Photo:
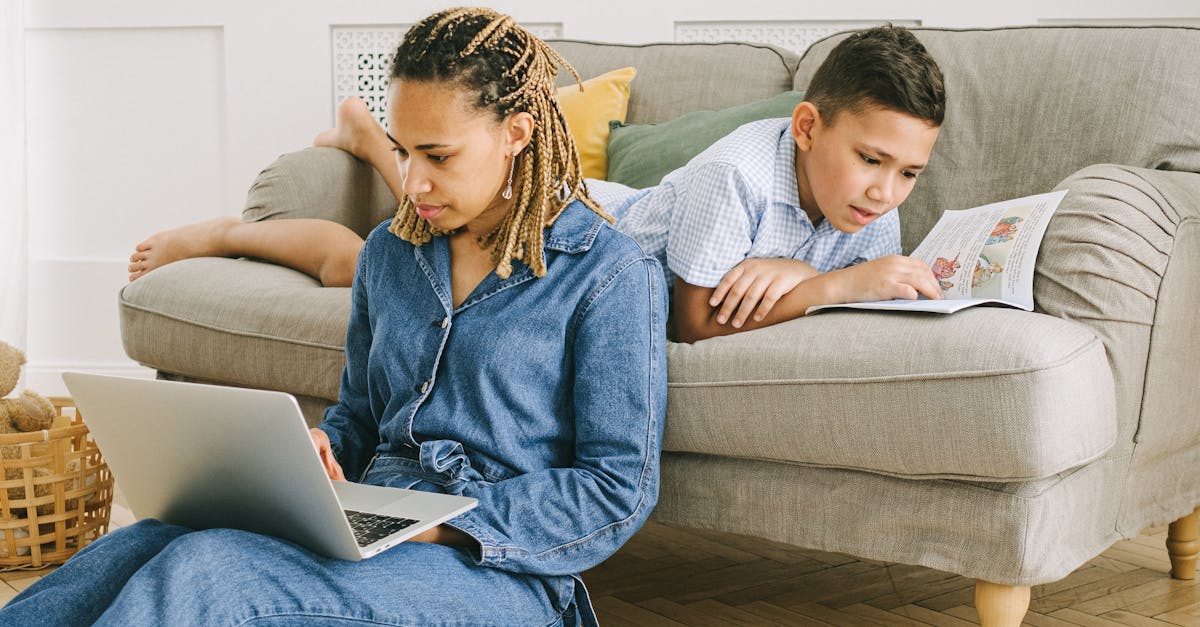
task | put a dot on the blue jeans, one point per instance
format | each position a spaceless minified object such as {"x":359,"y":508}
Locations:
{"x":152,"y":573}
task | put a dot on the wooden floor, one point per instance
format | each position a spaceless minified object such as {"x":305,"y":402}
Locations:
{"x":672,"y":576}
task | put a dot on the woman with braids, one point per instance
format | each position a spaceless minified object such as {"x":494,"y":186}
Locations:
{"x":505,"y":343}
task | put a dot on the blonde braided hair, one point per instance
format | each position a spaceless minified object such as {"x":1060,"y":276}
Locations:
{"x":513,"y":71}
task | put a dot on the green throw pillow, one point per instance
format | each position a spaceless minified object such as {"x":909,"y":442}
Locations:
{"x":639,"y":155}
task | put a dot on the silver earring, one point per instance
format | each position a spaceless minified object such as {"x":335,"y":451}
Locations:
{"x":507,"y":193}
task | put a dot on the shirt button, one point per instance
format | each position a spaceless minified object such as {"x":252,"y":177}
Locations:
{"x":445,"y":322}
{"x":424,"y":386}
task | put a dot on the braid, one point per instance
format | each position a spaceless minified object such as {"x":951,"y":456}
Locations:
{"x":512,"y":71}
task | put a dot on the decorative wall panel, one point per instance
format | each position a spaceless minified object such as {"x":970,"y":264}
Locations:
{"x":795,"y":35}
{"x":362,"y":56}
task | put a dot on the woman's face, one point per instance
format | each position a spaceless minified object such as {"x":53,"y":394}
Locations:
{"x":454,"y":158}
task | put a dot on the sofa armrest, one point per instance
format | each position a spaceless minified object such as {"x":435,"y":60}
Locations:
{"x":325,"y":183}
{"x":238,"y":322}
{"x":1122,"y":256}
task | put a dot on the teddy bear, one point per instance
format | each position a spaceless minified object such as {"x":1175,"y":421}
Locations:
{"x":30,"y":411}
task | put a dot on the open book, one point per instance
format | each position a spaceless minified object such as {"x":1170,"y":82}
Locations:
{"x":980,"y":255}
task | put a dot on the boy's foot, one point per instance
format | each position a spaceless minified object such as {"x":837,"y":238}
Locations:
{"x":202,"y":239}
{"x":356,"y":129}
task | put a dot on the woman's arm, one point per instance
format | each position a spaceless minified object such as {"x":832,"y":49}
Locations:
{"x":566,"y":520}
{"x":349,"y":425}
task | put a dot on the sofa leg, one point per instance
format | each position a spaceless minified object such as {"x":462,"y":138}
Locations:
{"x":999,"y":605}
{"x":1183,"y":544}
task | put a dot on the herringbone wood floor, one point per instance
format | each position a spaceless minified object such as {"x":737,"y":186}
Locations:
{"x":672,"y":576}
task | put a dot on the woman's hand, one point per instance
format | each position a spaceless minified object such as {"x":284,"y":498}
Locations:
{"x":442,"y":534}
{"x":320,"y":442}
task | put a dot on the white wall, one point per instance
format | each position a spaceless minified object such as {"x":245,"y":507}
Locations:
{"x":147,"y":114}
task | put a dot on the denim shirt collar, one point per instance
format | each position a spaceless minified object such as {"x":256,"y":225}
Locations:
{"x":573,"y":232}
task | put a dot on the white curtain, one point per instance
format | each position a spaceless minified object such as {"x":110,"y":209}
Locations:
{"x":14,"y":248}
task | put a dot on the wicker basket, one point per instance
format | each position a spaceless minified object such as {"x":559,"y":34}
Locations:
{"x":55,"y":492}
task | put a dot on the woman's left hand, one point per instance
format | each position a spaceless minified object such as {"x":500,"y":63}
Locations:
{"x":442,"y":534}
{"x":320,"y":442}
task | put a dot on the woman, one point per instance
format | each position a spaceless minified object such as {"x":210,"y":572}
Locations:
{"x":505,"y":343}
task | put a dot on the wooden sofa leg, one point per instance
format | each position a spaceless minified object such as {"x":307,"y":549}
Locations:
{"x":1183,"y":544}
{"x":999,"y":605}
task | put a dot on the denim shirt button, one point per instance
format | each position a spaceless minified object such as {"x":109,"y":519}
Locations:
{"x":424,"y":386}
{"x":445,"y":322}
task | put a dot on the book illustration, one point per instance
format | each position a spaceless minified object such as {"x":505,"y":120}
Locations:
{"x":945,"y":269}
{"x":1004,"y":231}
{"x":985,"y":272}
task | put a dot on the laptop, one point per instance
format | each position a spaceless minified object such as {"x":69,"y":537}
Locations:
{"x":208,"y":456}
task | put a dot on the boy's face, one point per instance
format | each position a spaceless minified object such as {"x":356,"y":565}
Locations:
{"x":862,"y":166}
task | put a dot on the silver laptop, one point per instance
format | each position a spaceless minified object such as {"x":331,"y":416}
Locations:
{"x":207,"y":456}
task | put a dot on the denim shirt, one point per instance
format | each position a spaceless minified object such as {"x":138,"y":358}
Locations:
{"x":544,"y":398}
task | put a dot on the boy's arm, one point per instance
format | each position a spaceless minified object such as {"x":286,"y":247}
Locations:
{"x":894,"y":276}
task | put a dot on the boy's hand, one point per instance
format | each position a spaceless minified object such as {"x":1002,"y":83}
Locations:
{"x":887,"y":278}
{"x":756,"y":283}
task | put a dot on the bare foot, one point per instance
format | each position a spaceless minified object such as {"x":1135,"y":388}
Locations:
{"x":356,"y":132}
{"x":202,"y":239}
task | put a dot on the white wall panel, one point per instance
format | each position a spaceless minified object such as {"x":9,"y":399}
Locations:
{"x":73,"y":322}
{"x":125,"y":135}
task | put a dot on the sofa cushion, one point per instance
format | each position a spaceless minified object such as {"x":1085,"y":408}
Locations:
{"x":604,"y":98}
{"x":1028,"y":106}
{"x":325,"y":183}
{"x":238,"y":322}
{"x":639,"y":155}
{"x":987,"y":394}
{"x":669,"y":82}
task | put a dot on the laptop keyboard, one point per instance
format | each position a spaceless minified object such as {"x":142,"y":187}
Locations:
{"x":370,"y":528}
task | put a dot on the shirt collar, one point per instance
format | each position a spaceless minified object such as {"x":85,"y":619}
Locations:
{"x":785,"y":189}
{"x":574,"y":230}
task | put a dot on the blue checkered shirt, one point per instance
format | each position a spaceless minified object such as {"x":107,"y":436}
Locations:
{"x":738,"y":199}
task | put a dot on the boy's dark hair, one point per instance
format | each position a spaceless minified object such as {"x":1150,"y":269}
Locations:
{"x":886,"y":66}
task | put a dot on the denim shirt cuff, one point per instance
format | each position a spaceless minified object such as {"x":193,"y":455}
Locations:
{"x":491,"y":552}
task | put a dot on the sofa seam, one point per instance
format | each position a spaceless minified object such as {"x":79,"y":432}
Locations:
{"x":751,"y":44}
{"x":1104,"y":452}
{"x":213,"y":327}
{"x":918,"y":30}
{"x":1057,"y":364}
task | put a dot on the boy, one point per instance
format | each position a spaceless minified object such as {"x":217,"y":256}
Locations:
{"x":777,"y":216}
{"x":784,"y":214}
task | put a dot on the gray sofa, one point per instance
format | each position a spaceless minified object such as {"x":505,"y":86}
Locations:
{"x":1005,"y":446}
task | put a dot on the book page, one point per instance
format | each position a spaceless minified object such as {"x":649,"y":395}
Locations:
{"x":980,"y":255}
{"x":988,"y":252}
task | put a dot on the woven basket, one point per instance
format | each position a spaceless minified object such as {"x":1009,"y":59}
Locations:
{"x":55,"y":492}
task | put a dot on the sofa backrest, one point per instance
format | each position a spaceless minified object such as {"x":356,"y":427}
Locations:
{"x":1027,"y":107}
{"x":673,"y":79}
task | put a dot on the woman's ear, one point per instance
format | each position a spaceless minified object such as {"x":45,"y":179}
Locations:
{"x":805,"y":118}
{"x":518,"y":131}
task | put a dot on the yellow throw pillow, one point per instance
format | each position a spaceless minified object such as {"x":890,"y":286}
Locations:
{"x":603,"y":99}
